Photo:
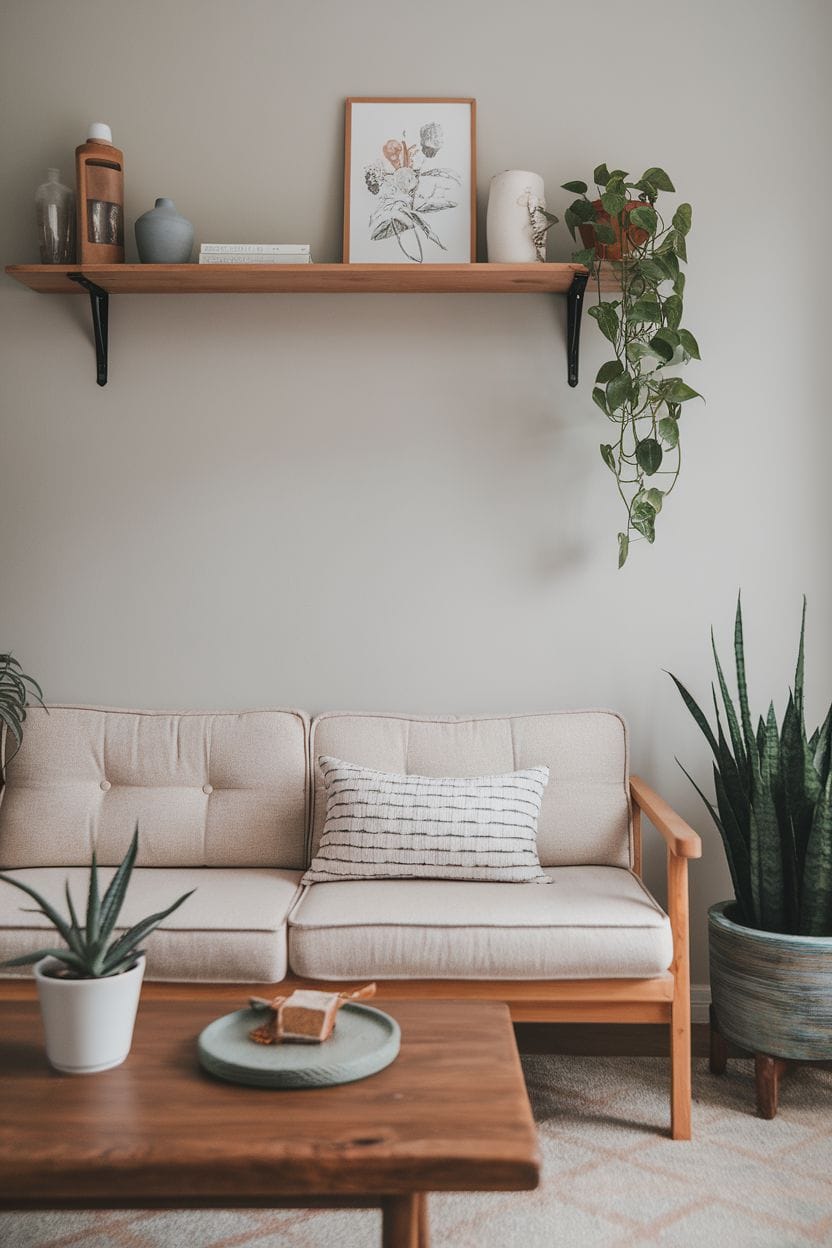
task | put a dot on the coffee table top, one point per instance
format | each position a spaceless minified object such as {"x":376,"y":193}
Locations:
{"x":450,"y":1114}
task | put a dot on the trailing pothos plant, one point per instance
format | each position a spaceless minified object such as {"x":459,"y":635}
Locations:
{"x":634,"y":389}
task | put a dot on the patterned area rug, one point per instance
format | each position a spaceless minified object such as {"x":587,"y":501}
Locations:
{"x":609,"y":1180}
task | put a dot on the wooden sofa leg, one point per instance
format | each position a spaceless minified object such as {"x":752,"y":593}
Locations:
{"x":680,"y":1071}
{"x":680,"y":1034}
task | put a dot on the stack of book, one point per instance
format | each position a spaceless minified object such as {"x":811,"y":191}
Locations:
{"x":254,"y":253}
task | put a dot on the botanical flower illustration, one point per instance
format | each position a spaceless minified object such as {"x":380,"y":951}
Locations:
{"x":407,"y":189}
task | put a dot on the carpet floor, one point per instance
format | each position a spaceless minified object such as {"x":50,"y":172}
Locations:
{"x":610,"y":1180}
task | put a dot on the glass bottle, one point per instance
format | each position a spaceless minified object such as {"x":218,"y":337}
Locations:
{"x":55,"y":210}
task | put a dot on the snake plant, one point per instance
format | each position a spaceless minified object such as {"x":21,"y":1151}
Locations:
{"x":89,"y":952}
{"x":773,"y":802}
{"x":15,"y":690}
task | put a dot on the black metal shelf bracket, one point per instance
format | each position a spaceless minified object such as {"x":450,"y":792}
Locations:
{"x":100,"y":306}
{"x":574,"y":308}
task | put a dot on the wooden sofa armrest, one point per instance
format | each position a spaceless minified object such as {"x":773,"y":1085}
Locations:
{"x":680,"y":837}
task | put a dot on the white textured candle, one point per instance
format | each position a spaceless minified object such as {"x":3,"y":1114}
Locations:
{"x":512,"y":196}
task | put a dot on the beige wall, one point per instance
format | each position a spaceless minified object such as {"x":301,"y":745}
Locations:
{"x":384,"y":502}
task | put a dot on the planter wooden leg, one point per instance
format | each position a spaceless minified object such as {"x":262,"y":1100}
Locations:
{"x":405,"y":1222}
{"x":719,"y":1047}
{"x":767,"y":1073}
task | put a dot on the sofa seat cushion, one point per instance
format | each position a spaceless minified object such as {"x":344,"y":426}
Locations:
{"x":593,"y":923}
{"x":232,"y":929}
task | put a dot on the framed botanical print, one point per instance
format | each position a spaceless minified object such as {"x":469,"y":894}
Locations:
{"x":410,"y":181}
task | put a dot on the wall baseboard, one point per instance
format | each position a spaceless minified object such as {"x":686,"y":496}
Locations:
{"x":700,"y":1002}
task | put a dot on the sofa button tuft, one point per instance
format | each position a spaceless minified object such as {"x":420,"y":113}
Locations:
{"x":208,"y":788}
{"x":105,"y":785}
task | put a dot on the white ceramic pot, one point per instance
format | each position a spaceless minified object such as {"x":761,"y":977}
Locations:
{"x":88,"y":1023}
{"x":508,"y":223}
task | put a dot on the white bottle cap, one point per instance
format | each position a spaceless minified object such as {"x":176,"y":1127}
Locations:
{"x":99,"y":131}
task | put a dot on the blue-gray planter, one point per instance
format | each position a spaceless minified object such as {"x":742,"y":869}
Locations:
{"x":772,"y":992}
{"x":164,"y":236}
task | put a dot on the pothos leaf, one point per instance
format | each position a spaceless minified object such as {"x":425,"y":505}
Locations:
{"x":645,"y":218}
{"x":649,"y":455}
{"x":658,"y":178}
{"x":682,"y":219}
{"x":609,"y":370}
{"x":662,"y":348}
{"x":607,"y":317}
{"x":637,"y":351}
{"x":599,"y":397}
{"x":623,"y":549}
{"x":582,"y":210}
{"x":673,"y":311}
{"x":643,"y":518}
{"x":645,"y":311}
{"x":619,"y":390}
{"x":613,"y":201}
{"x":607,"y":456}
{"x":586,"y":257}
{"x":669,"y":431}
{"x":689,"y":344}
{"x":678,"y":391}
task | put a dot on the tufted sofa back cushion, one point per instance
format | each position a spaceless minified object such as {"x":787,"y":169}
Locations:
{"x":585,"y":816}
{"x":208,"y":790}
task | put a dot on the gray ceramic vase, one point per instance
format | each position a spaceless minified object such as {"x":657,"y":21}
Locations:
{"x":163,"y":236}
{"x":772,"y":992}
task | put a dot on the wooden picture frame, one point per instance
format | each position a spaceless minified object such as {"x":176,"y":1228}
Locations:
{"x":403,"y":220}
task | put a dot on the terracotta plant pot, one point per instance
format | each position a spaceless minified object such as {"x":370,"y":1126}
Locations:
{"x":772,"y":992}
{"x":634,"y":236}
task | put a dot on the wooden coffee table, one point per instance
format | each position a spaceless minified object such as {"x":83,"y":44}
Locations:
{"x":450,"y":1114}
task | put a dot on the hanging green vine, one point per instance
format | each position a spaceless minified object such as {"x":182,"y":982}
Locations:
{"x":634,"y":390}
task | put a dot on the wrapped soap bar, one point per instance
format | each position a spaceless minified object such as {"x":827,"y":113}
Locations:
{"x":306,"y":1016}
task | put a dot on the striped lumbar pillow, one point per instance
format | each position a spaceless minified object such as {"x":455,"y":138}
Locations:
{"x":382,"y":825}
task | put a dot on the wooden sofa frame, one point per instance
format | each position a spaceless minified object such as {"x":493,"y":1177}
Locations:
{"x":664,"y":999}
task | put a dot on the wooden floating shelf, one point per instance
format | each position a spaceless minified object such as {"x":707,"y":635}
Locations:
{"x":295,"y":279}
{"x":102,"y":280}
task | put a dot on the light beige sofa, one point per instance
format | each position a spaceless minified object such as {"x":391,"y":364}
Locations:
{"x":231,"y":803}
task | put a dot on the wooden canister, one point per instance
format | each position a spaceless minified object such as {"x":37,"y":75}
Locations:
{"x":99,"y":168}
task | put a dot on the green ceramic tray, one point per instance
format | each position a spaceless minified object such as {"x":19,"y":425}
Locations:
{"x":365,"y":1040}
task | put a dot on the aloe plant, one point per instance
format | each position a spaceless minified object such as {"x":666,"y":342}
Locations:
{"x":90,"y":953}
{"x":773,"y":802}
{"x":15,"y":690}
